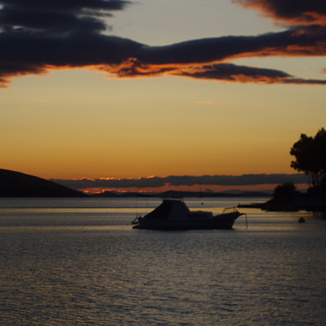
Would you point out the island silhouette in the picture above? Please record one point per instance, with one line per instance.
(17, 184)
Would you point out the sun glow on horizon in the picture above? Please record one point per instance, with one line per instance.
(196, 188)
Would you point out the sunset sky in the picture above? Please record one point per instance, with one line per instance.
(133, 89)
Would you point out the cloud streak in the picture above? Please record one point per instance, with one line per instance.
(207, 180)
(37, 37)
(294, 12)
(244, 74)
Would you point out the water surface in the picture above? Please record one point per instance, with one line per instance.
(79, 262)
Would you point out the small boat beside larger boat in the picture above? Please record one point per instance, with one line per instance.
(174, 214)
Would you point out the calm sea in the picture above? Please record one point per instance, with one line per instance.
(79, 262)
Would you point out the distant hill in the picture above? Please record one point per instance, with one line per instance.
(16, 184)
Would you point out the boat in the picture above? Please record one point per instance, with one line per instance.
(173, 214)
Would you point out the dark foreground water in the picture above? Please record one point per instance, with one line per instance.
(79, 262)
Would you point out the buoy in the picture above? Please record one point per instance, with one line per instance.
(301, 220)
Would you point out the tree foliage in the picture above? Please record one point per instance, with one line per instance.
(285, 191)
(310, 156)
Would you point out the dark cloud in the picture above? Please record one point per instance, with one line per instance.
(244, 74)
(41, 35)
(57, 16)
(296, 12)
(293, 42)
(52, 21)
(183, 59)
(67, 4)
(36, 36)
(207, 180)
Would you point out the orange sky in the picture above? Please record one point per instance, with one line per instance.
(235, 115)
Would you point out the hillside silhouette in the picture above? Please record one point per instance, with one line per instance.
(16, 184)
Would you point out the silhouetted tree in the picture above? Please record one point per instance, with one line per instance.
(310, 156)
(285, 191)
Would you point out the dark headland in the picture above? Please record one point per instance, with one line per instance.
(16, 184)
(300, 203)
(310, 158)
(287, 198)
